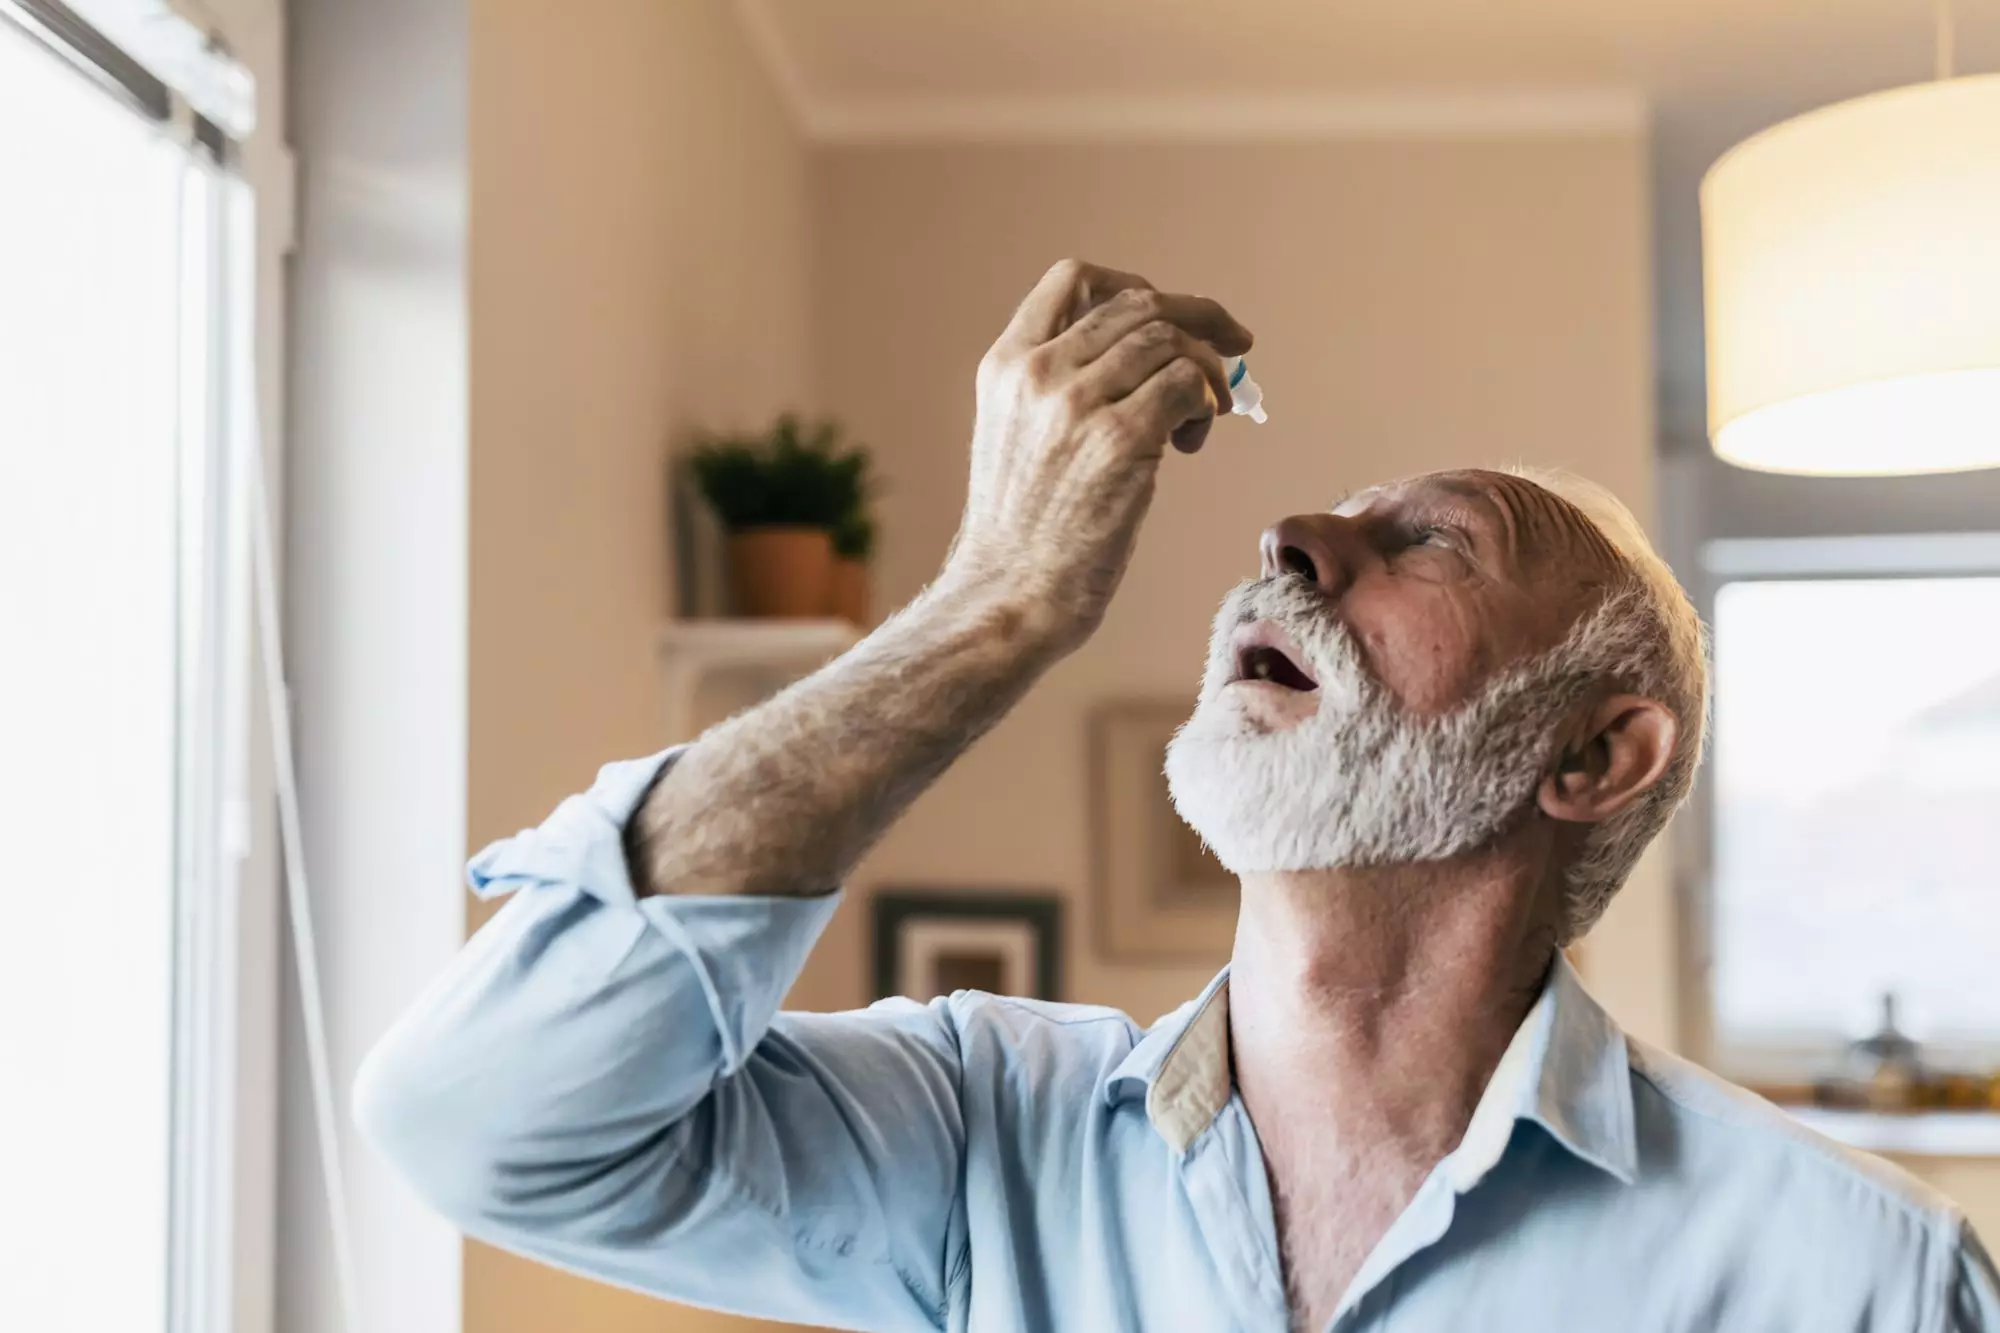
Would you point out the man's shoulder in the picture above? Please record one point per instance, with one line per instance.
(977, 1011)
(1044, 1050)
(1695, 1124)
(1036, 1069)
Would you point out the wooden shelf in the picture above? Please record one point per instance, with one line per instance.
(756, 642)
(773, 651)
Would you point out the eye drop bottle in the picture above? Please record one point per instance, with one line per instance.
(1245, 398)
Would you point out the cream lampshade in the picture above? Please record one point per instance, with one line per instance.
(1851, 264)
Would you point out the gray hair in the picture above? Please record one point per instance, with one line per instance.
(1646, 638)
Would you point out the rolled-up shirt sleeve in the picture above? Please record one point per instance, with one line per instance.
(605, 1082)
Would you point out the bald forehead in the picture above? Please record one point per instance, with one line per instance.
(1545, 524)
(1545, 536)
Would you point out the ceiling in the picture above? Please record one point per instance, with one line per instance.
(1708, 73)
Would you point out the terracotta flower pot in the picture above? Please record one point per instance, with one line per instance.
(781, 572)
(850, 591)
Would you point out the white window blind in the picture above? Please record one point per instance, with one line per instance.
(122, 691)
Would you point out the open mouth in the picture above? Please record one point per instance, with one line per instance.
(1264, 652)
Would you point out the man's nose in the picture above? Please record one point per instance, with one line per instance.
(1320, 548)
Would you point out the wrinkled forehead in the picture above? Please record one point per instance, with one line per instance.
(1537, 534)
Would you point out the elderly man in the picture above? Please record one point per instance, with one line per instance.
(1432, 739)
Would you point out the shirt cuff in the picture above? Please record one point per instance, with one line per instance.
(581, 844)
(744, 952)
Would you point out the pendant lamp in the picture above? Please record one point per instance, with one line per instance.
(1851, 267)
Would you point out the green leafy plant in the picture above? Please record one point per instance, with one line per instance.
(791, 475)
(854, 536)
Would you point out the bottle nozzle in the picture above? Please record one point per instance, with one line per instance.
(1245, 398)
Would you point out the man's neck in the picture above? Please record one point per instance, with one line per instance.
(1384, 997)
(1367, 1011)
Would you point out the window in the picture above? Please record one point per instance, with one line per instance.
(123, 354)
(1855, 794)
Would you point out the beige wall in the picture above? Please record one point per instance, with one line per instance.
(638, 252)
(1417, 305)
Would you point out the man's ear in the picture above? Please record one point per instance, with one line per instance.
(1619, 752)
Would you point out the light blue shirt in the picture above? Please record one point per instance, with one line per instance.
(604, 1082)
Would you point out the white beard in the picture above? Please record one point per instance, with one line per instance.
(1360, 782)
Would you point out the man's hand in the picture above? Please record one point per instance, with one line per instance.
(1077, 402)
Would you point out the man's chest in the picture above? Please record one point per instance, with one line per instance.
(1330, 1213)
(1128, 1234)
(1145, 1237)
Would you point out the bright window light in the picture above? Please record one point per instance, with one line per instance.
(1857, 807)
(90, 244)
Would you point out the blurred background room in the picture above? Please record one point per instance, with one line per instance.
(610, 363)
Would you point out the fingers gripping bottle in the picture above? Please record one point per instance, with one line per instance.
(1245, 398)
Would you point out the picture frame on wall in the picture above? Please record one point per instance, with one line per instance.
(930, 943)
(1159, 894)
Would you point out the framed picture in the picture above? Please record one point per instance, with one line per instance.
(929, 944)
(1159, 893)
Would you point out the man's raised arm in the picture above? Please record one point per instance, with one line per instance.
(1073, 418)
(603, 1080)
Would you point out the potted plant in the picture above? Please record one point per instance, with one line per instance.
(853, 543)
(780, 495)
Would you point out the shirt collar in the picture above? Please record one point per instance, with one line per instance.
(1566, 1069)
(1182, 1067)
